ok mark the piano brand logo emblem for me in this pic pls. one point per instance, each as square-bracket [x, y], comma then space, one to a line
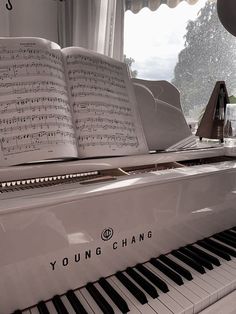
[107, 234]
[78, 256]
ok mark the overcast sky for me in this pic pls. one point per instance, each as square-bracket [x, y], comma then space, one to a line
[154, 39]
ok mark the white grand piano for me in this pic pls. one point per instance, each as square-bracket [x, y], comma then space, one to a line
[143, 234]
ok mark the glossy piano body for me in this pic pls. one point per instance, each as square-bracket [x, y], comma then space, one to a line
[61, 237]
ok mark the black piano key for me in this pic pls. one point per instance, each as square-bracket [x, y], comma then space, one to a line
[214, 250]
[114, 295]
[142, 282]
[17, 312]
[207, 256]
[42, 308]
[202, 261]
[133, 289]
[221, 247]
[224, 239]
[99, 299]
[188, 261]
[75, 302]
[159, 283]
[167, 271]
[176, 267]
[230, 234]
[60, 307]
[234, 228]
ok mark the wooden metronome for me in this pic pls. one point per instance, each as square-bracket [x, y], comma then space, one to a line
[212, 122]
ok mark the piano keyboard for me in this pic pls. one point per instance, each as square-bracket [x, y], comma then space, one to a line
[184, 281]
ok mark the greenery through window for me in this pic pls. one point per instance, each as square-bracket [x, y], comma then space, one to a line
[192, 56]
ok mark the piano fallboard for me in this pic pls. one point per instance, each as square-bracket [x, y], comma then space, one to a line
[62, 237]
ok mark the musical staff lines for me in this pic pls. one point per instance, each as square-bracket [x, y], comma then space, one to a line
[95, 124]
[36, 85]
[96, 77]
[28, 124]
[102, 105]
[32, 105]
[25, 70]
[99, 108]
[100, 124]
[27, 54]
[34, 111]
[113, 141]
[95, 62]
[34, 141]
[32, 87]
[105, 89]
[92, 76]
[30, 69]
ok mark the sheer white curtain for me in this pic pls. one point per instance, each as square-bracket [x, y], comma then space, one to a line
[94, 24]
[99, 24]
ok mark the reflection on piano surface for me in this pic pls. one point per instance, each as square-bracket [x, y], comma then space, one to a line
[157, 237]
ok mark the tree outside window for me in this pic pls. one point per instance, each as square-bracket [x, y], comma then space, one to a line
[207, 55]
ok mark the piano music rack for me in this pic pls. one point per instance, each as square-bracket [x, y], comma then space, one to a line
[24, 177]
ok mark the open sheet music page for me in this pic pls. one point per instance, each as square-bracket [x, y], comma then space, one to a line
[35, 116]
[103, 104]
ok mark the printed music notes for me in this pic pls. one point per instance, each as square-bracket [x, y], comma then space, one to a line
[64, 103]
[34, 106]
[32, 141]
[103, 107]
[22, 120]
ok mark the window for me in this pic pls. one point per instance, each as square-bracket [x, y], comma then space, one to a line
[185, 45]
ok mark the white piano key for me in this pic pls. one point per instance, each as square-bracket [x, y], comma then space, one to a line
[107, 298]
[224, 244]
[160, 307]
[205, 281]
[143, 308]
[220, 274]
[131, 305]
[34, 310]
[68, 305]
[223, 274]
[51, 307]
[194, 284]
[90, 300]
[230, 272]
[26, 312]
[83, 301]
[226, 272]
[191, 291]
[164, 298]
[211, 281]
[231, 263]
[170, 303]
[176, 294]
[225, 306]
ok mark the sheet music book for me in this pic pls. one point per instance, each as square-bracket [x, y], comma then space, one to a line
[64, 103]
